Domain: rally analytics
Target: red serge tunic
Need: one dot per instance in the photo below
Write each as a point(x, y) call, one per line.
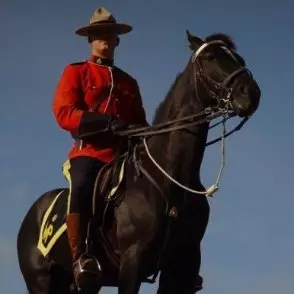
point(80, 87)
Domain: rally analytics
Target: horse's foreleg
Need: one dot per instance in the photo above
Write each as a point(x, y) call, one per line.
point(180, 274)
point(180, 271)
point(130, 278)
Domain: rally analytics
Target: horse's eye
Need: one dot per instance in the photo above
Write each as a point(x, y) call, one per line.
point(209, 56)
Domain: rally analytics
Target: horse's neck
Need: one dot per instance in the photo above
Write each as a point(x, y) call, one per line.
point(180, 152)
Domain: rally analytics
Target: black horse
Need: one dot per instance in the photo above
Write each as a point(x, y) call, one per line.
point(157, 222)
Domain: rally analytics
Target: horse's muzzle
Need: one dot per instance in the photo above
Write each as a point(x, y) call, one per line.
point(246, 99)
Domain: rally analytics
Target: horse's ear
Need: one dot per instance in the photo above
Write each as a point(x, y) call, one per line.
point(194, 41)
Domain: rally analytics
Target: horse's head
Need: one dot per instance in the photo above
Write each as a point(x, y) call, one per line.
point(220, 71)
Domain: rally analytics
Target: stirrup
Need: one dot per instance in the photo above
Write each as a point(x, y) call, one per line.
point(88, 263)
point(87, 272)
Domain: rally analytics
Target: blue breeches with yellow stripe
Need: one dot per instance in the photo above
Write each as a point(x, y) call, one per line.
point(81, 173)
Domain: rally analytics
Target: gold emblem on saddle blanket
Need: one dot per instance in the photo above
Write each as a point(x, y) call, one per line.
point(48, 231)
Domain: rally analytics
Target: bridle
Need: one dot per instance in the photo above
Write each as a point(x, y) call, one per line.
point(221, 92)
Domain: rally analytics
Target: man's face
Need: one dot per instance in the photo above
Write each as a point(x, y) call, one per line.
point(104, 44)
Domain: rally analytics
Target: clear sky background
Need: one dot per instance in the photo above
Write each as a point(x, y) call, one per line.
point(248, 247)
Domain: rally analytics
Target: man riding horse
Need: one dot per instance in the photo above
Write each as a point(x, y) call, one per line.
point(93, 100)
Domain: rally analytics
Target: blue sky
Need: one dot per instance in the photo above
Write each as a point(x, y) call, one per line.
point(248, 247)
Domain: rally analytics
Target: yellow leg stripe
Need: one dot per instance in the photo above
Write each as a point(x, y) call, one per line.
point(66, 168)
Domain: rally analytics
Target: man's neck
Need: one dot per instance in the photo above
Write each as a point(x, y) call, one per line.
point(101, 60)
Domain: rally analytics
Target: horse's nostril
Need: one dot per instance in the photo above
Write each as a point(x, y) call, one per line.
point(243, 89)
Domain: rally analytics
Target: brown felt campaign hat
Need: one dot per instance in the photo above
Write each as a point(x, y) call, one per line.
point(101, 22)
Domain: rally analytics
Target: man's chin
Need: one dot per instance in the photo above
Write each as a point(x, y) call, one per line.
point(108, 54)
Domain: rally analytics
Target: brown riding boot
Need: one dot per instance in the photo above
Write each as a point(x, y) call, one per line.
point(75, 239)
point(73, 222)
point(82, 265)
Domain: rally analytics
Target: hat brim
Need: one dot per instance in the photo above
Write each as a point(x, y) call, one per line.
point(100, 28)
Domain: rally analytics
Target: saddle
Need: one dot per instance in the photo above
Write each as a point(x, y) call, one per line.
point(109, 180)
point(108, 189)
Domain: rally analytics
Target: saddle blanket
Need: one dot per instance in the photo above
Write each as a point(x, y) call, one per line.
point(53, 223)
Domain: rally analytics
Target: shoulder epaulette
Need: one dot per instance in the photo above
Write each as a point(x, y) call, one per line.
point(79, 62)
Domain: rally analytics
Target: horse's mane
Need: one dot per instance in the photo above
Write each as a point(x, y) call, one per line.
point(222, 37)
point(161, 109)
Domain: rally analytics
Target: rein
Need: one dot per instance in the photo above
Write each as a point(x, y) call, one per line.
point(159, 128)
point(192, 120)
